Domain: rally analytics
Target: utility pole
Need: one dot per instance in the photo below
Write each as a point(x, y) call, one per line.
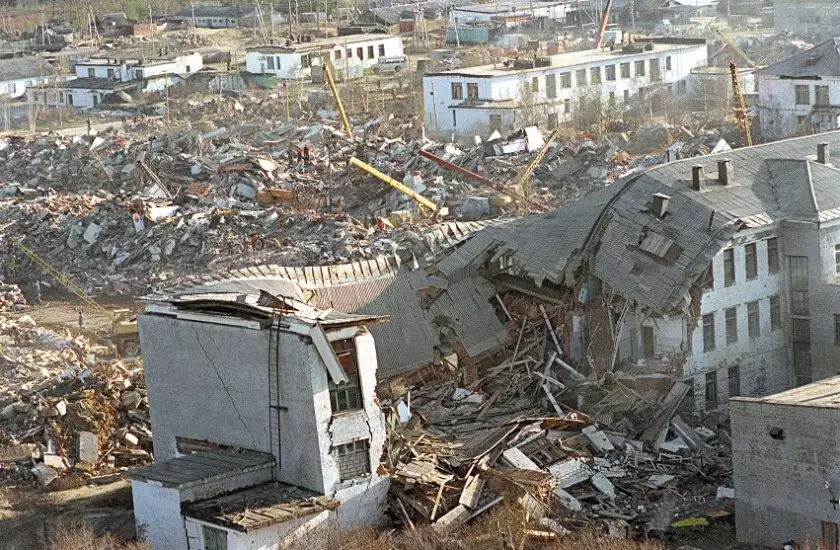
point(291, 26)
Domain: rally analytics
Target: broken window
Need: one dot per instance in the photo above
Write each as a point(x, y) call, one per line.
point(775, 313)
point(625, 70)
point(495, 122)
point(711, 390)
point(472, 91)
point(709, 332)
point(801, 329)
point(346, 396)
point(821, 95)
point(214, 539)
point(551, 86)
point(803, 95)
point(731, 325)
point(729, 267)
point(610, 70)
point(353, 459)
point(751, 261)
point(457, 90)
point(799, 302)
point(566, 80)
point(836, 329)
point(580, 78)
point(595, 75)
point(773, 255)
point(753, 320)
point(640, 68)
point(734, 381)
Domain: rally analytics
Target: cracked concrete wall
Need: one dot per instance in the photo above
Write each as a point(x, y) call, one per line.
point(206, 382)
point(157, 513)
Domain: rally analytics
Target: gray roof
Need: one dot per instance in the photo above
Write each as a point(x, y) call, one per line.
point(89, 83)
point(651, 260)
point(259, 506)
point(24, 67)
point(824, 394)
point(201, 467)
point(821, 60)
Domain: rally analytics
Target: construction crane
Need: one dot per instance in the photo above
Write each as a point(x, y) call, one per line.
point(124, 334)
point(341, 113)
point(740, 107)
point(411, 193)
point(604, 18)
point(738, 51)
point(521, 181)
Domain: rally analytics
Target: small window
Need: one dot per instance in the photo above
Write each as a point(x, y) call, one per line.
point(567, 106)
point(91, 72)
point(353, 459)
point(610, 70)
point(668, 63)
point(566, 80)
point(626, 96)
point(495, 122)
point(803, 95)
point(535, 85)
point(348, 53)
point(270, 62)
point(729, 267)
point(472, 91)
point(337, 54)
point(836, 329)
point(304, 61)
point(110, 73)
point(625, 70)
point(837, 262)
point(821, 95)
point(370, 52)
point(753, 320)
point(772, 255)
point(70, 99)
point(751, 261)
point(551, 86)
point(731, 325)
point(214, 539)
point(611, 99)
point(580, 78)
point(711, 390)
point(346, 396)
point(360, 53)
point(734, 381)
point(382, 50)
point(640, 68)
point(457, 90)
point(775, 313)
point(799, 285)
point(595, 75)
point(709, 332)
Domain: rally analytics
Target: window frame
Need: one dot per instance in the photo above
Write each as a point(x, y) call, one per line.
point(751, 261)
point(802, 94)
point(346, 397)
point(667, 62)
point(610, 73)
point(639, 65)
point(566, 80)
point(624, 69)
point(734, 380)
point(837, 329)
point(595, 75)
point(729, 277)
point(579, 82)
point(212, 542)
point(754, 319)
point(731, 324)
point(775, 312)
point(472, 91)
point(457, 90)
point(708, 324)
point(352, 449)
point(711, 390)
point(772, 255)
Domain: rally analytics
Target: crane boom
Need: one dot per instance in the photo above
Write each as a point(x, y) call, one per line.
point(344, 122)
point(417, 197)
point(604, 18)
point(740, 107)
point(738, 51)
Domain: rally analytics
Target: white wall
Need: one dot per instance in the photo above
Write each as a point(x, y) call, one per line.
point(157, 513)
point(446, 115)
point(290, 65)
point(17, 88)
point(132, 70)
point(779, 112)
point(308, 528)
point(82, 98)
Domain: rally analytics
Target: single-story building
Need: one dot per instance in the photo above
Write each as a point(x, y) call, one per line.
point(82, 93)
point(19, 73)
point(225, 17)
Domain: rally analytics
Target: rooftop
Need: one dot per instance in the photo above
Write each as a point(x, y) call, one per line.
point(508, 6)
point(572, 59)
point(201, 467)
point(18, 68)
point(259, 506)
point(319, 44)
point(95, 84)
point(824, 394)
point(217, 11)
point(821, 60)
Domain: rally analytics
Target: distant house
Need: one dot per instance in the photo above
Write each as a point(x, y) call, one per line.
point(18, 74)
point(81, 93)
point(814, 19)
point(125, 68)
point(801, 94)
point(224, 17)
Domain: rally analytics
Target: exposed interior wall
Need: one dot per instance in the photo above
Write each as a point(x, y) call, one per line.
point(274, 537)
point(780, 484)
point(157, 513)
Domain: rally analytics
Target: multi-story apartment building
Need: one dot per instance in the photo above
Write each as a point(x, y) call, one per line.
point(477, 100)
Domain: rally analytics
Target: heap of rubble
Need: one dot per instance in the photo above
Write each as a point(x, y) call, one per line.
point(66, 406)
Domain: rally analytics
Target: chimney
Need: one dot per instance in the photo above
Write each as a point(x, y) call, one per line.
point(659, 205)
point(697, 182)
point(823, 153)
point(725, 174)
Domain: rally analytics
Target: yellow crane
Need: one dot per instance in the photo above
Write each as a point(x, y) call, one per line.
point(411, 193)
point(740, 107)
point(522, 180)
point(738, 51)
point(124, 334)
point(331, 83)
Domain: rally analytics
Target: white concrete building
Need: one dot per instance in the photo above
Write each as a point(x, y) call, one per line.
point(474, 13)
point(801, 95)
point(81, 93)
point(478, 100)
point(126, 69)
point(19, 73)
point(293, 61)
point(288, 389)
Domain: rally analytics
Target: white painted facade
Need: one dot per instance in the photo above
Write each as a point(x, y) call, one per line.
point(784, 113)
point(128, 69)
point(294, 61)
point(275, 537)
point(477, 100)
point(18, 88)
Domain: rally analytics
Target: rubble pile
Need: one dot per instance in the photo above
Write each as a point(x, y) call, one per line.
point(611, 450)
point(66, 408)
